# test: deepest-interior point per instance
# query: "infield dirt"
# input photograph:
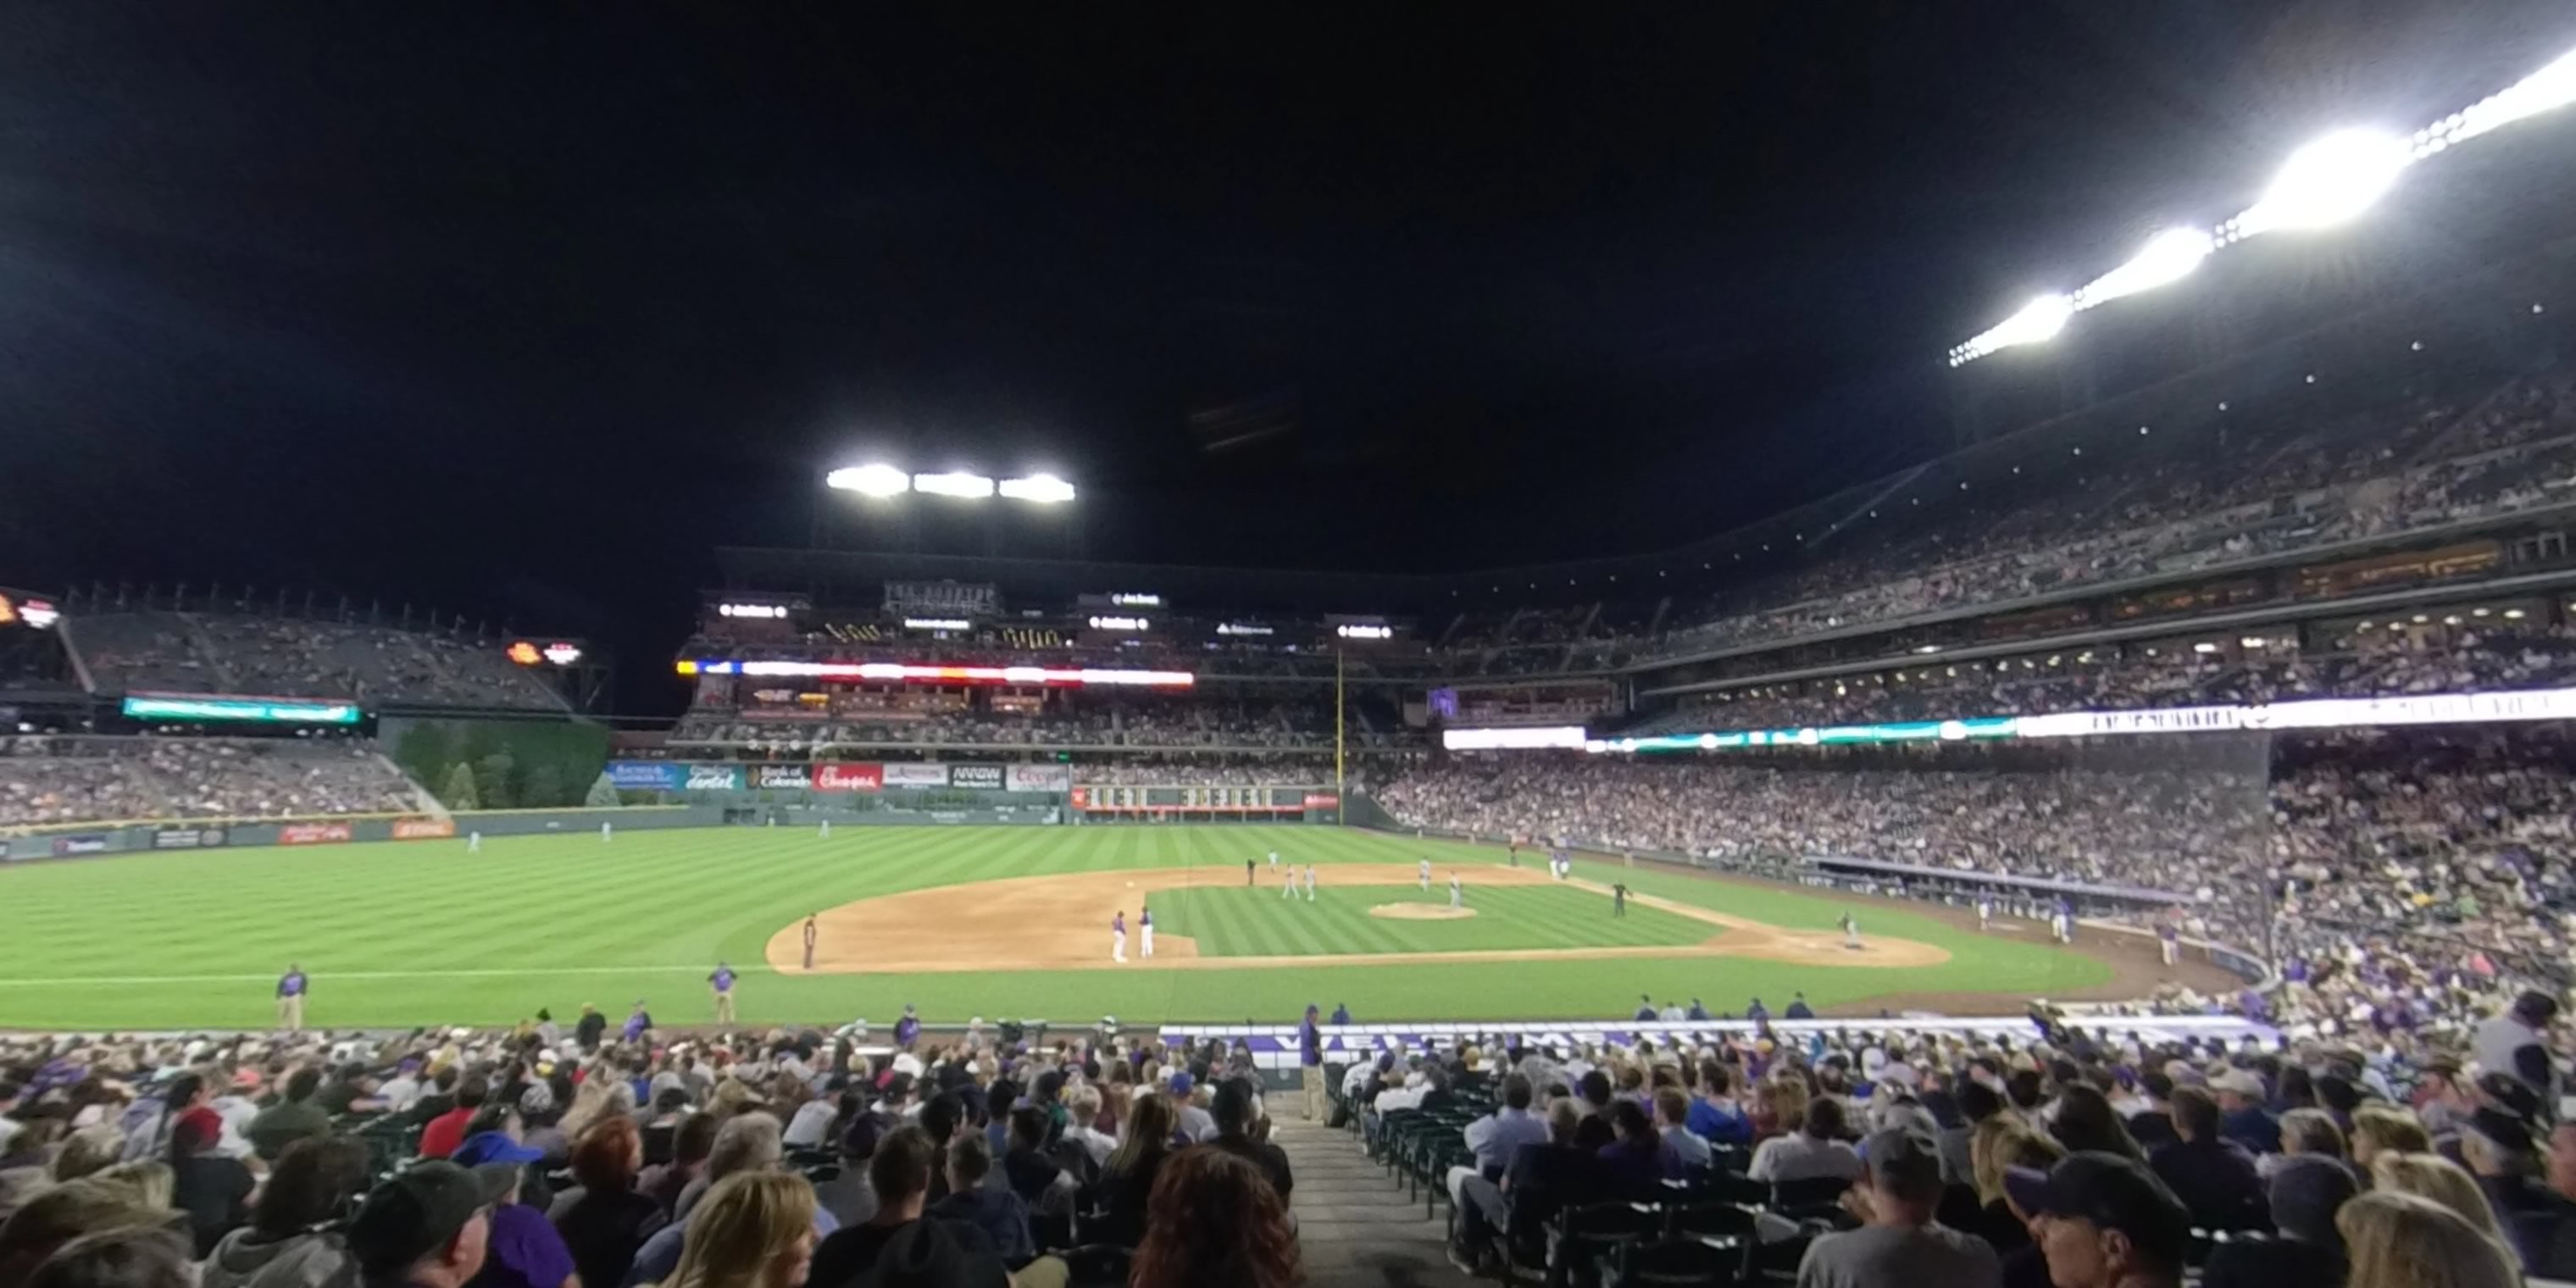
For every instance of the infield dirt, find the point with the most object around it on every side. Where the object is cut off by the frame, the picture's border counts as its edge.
(1062, 922)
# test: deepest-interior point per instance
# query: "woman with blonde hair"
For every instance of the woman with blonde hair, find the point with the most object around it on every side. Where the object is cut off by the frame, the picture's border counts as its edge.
(2003, 1141)
(2409, 1241)
(2424, 1173)
(2386, 1129)
(1784, 1101)
(753, 1230)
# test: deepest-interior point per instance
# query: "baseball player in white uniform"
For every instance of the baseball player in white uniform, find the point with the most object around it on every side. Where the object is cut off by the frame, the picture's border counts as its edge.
(1426, 874)
(1274, 860)
(1851, 931)
(1310, 883)
(1985, 911)
(1288, 888)
(1457, 894)
(1118, 936)
(1145, 927)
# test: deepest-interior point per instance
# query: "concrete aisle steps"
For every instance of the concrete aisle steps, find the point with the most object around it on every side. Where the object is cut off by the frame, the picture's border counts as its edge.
(1355, 1229)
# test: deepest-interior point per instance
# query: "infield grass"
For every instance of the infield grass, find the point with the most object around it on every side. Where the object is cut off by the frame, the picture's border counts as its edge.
(396, 934)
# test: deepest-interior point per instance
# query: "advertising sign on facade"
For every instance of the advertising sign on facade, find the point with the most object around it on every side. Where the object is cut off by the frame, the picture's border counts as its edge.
(644, 775)
(1041, 778)
(916, 775)
(775, 777)
(314, 833)
(80, 845)
(187, 838)
(832, 776)
(423, 829)
(715, 778)
(985, 778)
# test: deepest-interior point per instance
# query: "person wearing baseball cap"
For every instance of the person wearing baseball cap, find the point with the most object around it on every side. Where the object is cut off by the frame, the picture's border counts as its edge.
(1900, 1243)
(2103, 1221)
(428, 1227)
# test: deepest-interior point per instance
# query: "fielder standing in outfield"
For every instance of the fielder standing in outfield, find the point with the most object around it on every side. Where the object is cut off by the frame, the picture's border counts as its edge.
(1145, 927)
(474, 843)
(827, 829)
(811, 934)
(722, 983)
(1425, 870)
(603, 833)
(1288, 888)
(1247, 874)
(1985, 911)
(291, 987)
(1851, 931)
(1618, 901)
(1310, 883)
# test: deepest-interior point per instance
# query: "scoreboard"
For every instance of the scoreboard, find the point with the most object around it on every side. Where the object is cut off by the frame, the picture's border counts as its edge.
(1215, 799)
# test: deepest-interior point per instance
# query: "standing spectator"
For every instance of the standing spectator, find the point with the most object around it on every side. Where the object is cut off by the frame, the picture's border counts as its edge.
(1900, 1245)
(213, 1188)
(587, 1030)
(291, 988)
(2103, 1221)
(602, 1219)
(1215, 1220)
(2517, 1042)
(2404, 1241)
(1310, 1064)
(284, 1246)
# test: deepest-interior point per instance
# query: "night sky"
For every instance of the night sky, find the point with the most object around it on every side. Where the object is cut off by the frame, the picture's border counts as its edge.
(521, 309)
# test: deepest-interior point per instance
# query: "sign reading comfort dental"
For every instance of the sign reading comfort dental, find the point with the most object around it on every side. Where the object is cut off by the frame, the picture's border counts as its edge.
(1040, 778)
(715, 778)
(916, 775)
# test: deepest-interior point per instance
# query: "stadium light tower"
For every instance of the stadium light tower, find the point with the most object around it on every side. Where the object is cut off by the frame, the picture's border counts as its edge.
(2326, 184)
(879, 480)
(1038, 489)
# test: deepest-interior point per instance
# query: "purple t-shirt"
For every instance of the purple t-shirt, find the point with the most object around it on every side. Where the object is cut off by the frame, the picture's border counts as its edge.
(1145, 918)
(291, 984)
(1118, 924)
(525, 1251)
(722, 979)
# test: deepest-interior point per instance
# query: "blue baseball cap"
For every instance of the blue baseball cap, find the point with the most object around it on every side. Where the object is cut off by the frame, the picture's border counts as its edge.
(494, 1147)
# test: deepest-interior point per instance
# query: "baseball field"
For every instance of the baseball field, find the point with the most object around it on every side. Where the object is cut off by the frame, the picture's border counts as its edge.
(991, 922)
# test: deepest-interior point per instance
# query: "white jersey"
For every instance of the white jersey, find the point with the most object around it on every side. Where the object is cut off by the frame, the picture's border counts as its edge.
(1274, 858)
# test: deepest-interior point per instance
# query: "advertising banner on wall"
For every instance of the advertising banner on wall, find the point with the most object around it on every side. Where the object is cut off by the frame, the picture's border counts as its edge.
(777, 777)
(80, 845)
(1041, 778)
(916, 775)
(715, 778)
(423, 829)
(187, 838)
(982, 778)
(4, 850)
(836, 777)
(314, 833)
(644, 775)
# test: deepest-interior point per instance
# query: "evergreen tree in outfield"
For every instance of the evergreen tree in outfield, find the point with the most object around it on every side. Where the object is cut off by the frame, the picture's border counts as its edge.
(492, 780)
(543, 789)
(603, 793)
(460, 793)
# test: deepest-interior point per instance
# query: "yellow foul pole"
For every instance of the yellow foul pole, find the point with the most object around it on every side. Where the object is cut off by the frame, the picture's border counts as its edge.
(1337, 723)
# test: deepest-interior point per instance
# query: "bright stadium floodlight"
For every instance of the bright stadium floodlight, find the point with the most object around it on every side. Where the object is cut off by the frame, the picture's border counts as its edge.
(2329, 182)
(1041, 489)
(2168, 257)
(973, 487)
(869, 480)
(2326, 184)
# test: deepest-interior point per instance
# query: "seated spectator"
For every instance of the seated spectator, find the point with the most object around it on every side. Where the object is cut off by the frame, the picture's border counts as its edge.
(1127, 1180)
(747, 1143)
(2002, 1142)
(996, 1210)
(1541, 1179)
(2405, 1241)
(1083, 1124)
(2306, 1193)
(1639, 1159)
(1234, 1108)
(1215, 1219)
(1040, 1185)
(2309, 1133)
(1715, 1115)
(899, 1238)
(2441, 1180)
(93, 1205)
(283, 1247)
(1815, 1149)
(1899, 1245)
(428, 1227)
(2086, 1121)
(602, 1219)
(1672, 1121)
(2213, 1176)
(1494, 1138)
(133, 1257)
(523, 1250)
(2103, 1221)
(447, 1130)
(753, 1230)
(2540, 1217)
(691, 1142)
(2385, 1129)
(213, 1189)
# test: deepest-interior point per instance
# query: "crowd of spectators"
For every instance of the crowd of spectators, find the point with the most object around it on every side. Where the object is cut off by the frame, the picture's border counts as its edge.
(214, 652)
(2393, 877)
(558, 1157)
(70, 780)
(1893, 1157)
(1214, 724)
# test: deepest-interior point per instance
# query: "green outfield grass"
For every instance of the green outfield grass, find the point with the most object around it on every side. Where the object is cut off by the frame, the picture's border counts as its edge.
(403, 933)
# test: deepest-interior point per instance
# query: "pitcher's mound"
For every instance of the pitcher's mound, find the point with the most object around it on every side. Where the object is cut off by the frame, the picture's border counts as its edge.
(1421, 912)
